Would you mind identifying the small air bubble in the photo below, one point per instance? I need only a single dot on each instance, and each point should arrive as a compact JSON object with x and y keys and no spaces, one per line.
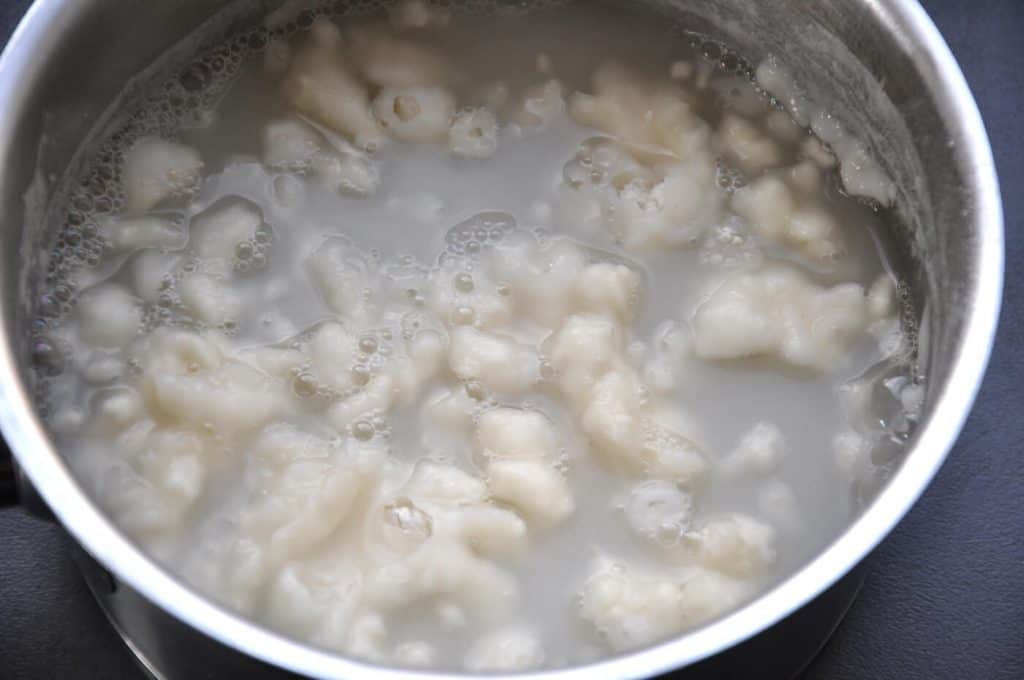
{"x":47,"y":358}
{"x":363,"y":430}
{"x":463,"y":282}
{"x":304,"y":385}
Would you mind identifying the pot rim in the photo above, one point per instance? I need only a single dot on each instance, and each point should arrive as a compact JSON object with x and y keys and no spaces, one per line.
{"x":935,"y":436}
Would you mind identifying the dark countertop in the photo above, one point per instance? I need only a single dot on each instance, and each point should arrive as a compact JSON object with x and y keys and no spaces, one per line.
{"x":944,"y":595}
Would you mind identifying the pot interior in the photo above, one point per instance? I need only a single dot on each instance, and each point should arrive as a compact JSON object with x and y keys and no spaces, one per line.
{"x":866,"y":77}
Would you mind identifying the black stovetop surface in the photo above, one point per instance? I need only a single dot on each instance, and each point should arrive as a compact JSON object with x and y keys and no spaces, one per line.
{"x":944,"y":595}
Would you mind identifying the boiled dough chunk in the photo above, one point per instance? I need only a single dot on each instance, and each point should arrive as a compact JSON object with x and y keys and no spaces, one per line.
{"x":646,"y":200}
{"x":108,"y":316}
{"x":217,"y":232}
{"x":609,"y":288}
{"x":416,"y":115}
{"x":128,"y":234}
{"x":492,"y":531}
{"x":156,"y":169}
{"x":675,"y":200}
{"x":541,"y":280}
{"x":376,"y":397}
{"x":499,"y":362}
{"x":292,"y":145}
{"x":548,"y":284}
{"x":625,"y":428}
{"x":444,"y":568}
{"x":474,"y":134}
{"x":208,"y":300}
{"x":520,"y":445}
{"x":345,"y":279}
{"x":301,"y":488}
{"x":415,"y":654}
{"x":759,"y":452}
{"x":447,"y":502}
{"x":316,"y":600}
{"x":516,"y":433}
{"x":508,"y":650}
{"x":611,"y":418}
{"x":445,"y":485}
{"x":332,"y":351}
{"x":542,"y":105}
{"x":745,"y":145}
{"x":632,"y":438}
{"x":673,"y":211}
{"x":425,"y":357}
{"x":320,"y":84}
{"x":584,"y":349}
{"x":163,"y":474}
{"x":536,"y":488}
{"x":769,"y":206}
{"x":188,"y":383}
{"x":737,"y":545}
{"x":452,"y":410}
{"x":631,"y":609}
{"x":779,"y":312}
{"x":388,"y":61}
{"x":641,"y":113}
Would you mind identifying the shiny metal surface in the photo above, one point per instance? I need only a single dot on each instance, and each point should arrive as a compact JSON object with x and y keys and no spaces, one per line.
{"x":880,"y":65}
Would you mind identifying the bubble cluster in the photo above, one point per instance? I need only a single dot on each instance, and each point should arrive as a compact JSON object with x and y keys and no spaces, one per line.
{"x":252,"y":254}
{"x":724,"y":58}
{"x":478,"y":233}
{"x":728,"y":178}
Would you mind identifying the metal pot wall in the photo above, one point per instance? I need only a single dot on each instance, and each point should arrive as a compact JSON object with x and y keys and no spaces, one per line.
{"x":879,"y":65}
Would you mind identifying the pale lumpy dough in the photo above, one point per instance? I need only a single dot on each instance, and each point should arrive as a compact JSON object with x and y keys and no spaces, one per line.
{"x":498,"y":368}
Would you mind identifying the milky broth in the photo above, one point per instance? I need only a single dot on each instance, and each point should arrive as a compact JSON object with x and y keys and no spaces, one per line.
{"x":522,"y":378}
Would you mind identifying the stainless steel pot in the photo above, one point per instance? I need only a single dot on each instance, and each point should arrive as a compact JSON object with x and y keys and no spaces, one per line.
{"x":879,"y":65}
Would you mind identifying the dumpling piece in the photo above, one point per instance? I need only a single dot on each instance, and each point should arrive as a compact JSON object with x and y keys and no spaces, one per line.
{"x":320,"y":84}
{"x":646,"y":199}
{"x":187,"y":382}
{"x":516,"y":433}
{"x":217,"y":232}
{"x":770,"y":207}
{"x":505,"y":651}
{"x":301,"y":487}
{"x":345,"y":278}
{"x":759,"y":452}
{"x":156,"y":169}
{"x":640,"y":112}
{"x":108,"y":316}
{"x":779,"y":312}
{"x":499,"y":362}
{"x":536,"y":488}
{"x":127,"y":234}
{"x":417,"y":114}
{"x":208,"y":300}
{"x":746,"y":145}
{"x":736,"y":545}
{"x":629,"y":608}
{"x":474,"y":134}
